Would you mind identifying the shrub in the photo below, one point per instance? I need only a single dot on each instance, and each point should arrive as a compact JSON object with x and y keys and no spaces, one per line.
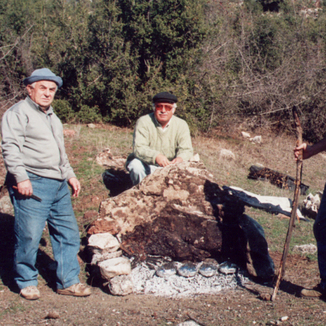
{"x":88,"y":115}
{"x":63,"y":110}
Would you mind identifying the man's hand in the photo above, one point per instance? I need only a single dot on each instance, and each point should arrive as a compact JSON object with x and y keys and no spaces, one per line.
{"x":177,"y":160}
{"x":162,"y":160}
{"x":25,"y":188}
{"x":297,"y":150}
{"x":309,"y":151}
{"x":75,"y":185}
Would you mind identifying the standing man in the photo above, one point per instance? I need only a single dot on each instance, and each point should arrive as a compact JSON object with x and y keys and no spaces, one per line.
{"x":34,"y":154}
{"x":319,"y":225}
{"x":160,"y":139}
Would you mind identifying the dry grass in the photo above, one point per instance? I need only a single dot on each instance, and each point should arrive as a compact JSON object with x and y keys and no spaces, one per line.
{"x":275,"y":152}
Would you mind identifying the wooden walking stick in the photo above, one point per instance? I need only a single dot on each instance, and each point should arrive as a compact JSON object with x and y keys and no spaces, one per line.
{"x":294,"y":205}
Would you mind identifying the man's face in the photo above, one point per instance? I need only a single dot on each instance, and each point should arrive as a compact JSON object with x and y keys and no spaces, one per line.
{"x":163,"y":112}
{"x":42,"y":93}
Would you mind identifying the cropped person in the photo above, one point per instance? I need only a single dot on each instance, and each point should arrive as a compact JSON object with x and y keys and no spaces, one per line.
{"x":38,"y":176}
{"x":319,"y":224}
{"x":160,"y":139}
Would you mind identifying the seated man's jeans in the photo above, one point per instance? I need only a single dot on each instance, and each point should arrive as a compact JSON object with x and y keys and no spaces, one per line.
{"x":139,"y":170}
{"x":30,"y":218}
{"x":320,"y":235}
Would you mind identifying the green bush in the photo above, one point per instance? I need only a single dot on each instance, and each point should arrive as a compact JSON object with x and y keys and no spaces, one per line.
{"x":225,"y":61}
{"x":88,"y":115}
{"x":63,"y":110}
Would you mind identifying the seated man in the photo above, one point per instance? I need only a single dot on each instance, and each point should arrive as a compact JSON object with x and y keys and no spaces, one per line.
{"x":160,"y":139}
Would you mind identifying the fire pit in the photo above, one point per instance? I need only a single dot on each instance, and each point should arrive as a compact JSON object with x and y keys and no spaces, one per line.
{"x":177,"y":212}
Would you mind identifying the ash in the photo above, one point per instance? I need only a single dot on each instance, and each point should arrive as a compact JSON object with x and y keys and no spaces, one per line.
{"x":146,"y":281}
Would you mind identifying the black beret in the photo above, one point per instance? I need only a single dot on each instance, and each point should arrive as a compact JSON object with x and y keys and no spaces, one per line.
{"x":165,"y":97}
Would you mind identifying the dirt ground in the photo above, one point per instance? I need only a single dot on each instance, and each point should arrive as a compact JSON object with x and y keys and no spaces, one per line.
{"x":243,"y":306}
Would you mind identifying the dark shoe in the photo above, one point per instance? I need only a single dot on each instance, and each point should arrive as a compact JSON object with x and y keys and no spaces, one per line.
{"x":30,"y":293}
{"x":76,"y":290}
{"x":315,"y":292}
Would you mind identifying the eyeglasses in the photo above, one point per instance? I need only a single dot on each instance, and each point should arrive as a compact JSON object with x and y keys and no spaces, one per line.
{"x":160,"y":107}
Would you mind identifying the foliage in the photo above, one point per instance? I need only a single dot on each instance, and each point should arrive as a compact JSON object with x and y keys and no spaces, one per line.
{"x":225,"y":60}
{"x":87,"y":114}
{"x":63,"y":110}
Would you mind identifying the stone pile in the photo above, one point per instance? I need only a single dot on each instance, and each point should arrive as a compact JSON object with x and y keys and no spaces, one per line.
{"x":114,"y":267}
{"x":178,"y":212}
{"x":159,"y":276}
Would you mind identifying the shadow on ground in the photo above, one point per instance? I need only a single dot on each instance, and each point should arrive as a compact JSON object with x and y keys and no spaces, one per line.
{"x":44,"y":263}
{"x":116,"y":181}
{"x":7,"y":240}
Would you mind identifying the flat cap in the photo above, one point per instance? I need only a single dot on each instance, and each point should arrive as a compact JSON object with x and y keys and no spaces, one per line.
{"x":43,"y":74}
{"x":165,"y":97}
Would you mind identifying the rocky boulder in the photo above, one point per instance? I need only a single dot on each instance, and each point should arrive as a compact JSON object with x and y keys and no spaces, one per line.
{"x":181,"y":212}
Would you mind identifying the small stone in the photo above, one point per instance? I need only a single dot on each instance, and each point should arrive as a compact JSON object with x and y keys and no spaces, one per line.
{"x":265,"y":296}
{"x":188,"y":269}
{"x":227,"y":154}
{"x":91,"y":125}
{"x":113,"y":267}
{"x":166,"y":270}
{"x":121,"y":285}
{"x":228,"y":268}
{"x":245,"y":134}
{"x":104,"y":241}
{"x":284,"y":318}
{"x":52,"y":315}
{"x":305,"y":249}
{"x":208,"y":269}
{"x":256,"y":140}
{"x":188,"y":323}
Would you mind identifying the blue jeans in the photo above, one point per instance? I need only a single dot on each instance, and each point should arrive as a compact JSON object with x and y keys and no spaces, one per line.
{"x":30,"y":218}
{"x":139,"y":170}
{"x":320,"y":235}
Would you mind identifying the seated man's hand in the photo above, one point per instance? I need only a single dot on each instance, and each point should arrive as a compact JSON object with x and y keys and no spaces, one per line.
{"x":177,"y":160}
{"x":162,"y":160}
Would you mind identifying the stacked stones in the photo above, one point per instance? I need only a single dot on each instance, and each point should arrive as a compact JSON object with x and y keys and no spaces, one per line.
{"x":114,"y":267}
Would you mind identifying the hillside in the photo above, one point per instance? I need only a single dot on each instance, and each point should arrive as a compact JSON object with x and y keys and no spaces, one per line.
{"x":243,"y":306}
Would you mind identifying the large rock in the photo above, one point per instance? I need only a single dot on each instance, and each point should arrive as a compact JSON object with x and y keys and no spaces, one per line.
{"x":181,"y":212}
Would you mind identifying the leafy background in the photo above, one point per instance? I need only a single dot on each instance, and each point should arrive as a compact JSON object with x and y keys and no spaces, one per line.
{"x":229,"y":62}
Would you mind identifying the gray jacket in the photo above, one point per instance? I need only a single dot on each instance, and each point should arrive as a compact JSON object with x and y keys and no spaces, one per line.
{"x":33,"y":141}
